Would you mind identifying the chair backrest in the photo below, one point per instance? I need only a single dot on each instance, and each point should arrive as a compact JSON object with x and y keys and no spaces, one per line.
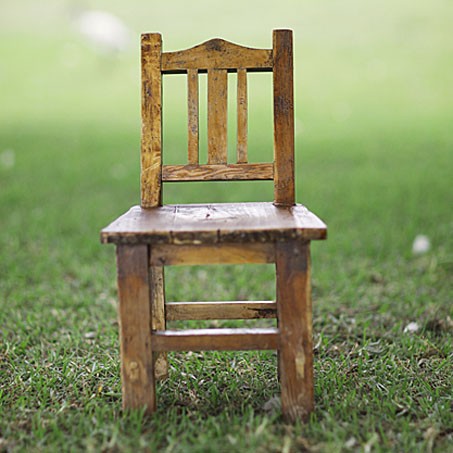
{"x":217,"y":58}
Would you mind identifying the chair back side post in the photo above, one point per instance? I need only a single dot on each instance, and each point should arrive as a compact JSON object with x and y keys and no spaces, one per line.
{"x":283,"y":118}
{"x":216,"y":58}
{"x":151,"y":136}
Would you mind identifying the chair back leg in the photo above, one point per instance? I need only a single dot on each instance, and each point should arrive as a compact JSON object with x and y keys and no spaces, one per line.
{"x":158,"y":317}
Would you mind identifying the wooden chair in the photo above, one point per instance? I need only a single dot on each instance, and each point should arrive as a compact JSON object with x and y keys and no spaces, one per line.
{"x":151,"y":236}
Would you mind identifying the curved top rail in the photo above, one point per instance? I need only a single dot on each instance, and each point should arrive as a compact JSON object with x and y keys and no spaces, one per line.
{"x":219,"y":54}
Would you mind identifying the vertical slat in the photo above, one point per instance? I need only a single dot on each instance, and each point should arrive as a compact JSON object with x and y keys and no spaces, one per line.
{"x":217,"y":116}
{"x":157,"y":290}
{"x":242,"y":117}
{"x":137,"y":374}
{"x":151,"y":143}
{"x":295,"y":325}
{"x":283,"y":118}
{"x":192,"y":99}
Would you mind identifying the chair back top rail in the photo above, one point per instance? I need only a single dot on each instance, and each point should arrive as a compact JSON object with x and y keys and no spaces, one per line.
{"x":217,"y":58}
{"x":217,"y":54}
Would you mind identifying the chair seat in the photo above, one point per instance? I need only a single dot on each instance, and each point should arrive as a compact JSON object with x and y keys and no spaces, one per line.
{"x":214,"y":223}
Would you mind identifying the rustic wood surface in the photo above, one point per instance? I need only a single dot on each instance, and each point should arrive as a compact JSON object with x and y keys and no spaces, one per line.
{"x":152,"y":236}
{"x":151,"y":141}
{"x":217,"y":54}
{"x":157,"y":294}
{"x":215,"y":223}
{"x":283,"y":118}
{"x":258,"y":253}
{"x":137,"y":374}
{"x":219,"y":172}
{"x":295,"y":325}
{"x":192,"y":112}
{"x":216,"y":339}
{"x":184,"y":311}
{"x":242,"y":117}
{"x":217,"y":116}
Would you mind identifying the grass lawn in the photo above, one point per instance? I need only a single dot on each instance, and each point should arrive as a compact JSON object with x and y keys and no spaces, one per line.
{"x":374,"y":160}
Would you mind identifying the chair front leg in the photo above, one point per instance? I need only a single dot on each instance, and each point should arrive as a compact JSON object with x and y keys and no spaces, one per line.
{"x":137,"y":370}
{"x":295,"y":324}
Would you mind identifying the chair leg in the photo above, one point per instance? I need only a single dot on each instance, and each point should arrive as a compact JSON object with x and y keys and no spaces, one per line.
{"x":295,"y":325}
{"x":157,"y":289}
{"x":137,"y":373}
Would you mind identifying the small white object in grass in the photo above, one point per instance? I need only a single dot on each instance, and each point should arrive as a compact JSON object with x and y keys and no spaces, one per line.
{"x":106,"y":32}
{"x":273,"y":405}
{"x":7,"y":158}
{"x":411,"y":327}
{"x":421,"y":244}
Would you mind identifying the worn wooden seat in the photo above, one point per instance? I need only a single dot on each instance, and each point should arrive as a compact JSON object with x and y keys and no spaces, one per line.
{"x":215,"y":223}
{"x":151,"y":236}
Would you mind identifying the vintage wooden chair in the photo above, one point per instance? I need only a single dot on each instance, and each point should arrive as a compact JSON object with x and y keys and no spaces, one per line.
{"x":151,"y":236}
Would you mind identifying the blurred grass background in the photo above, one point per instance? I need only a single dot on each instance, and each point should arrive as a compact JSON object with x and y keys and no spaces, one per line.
{"x":374,"y":115}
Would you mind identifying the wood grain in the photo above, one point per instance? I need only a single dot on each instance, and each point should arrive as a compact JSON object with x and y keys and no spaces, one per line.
{"x":151,"y":141}
{"x":217,"y":116}
{"x":219,"y":172}
{"x":215,"y":223}
{"x":217,"y":54}
{"x":193,"y":104}
{"x":215,"y":339}
{"x":242,"y":116}
{"x":283,"y":118}
{"x":157,"y":295}
{"x":185,"y":311}
{"x":137,"y":374}
{"x":185,"y":255}
{"x":295,"y":324}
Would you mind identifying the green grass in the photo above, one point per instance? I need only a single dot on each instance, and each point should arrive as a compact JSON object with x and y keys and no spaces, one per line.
{"x":374,"y":160}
